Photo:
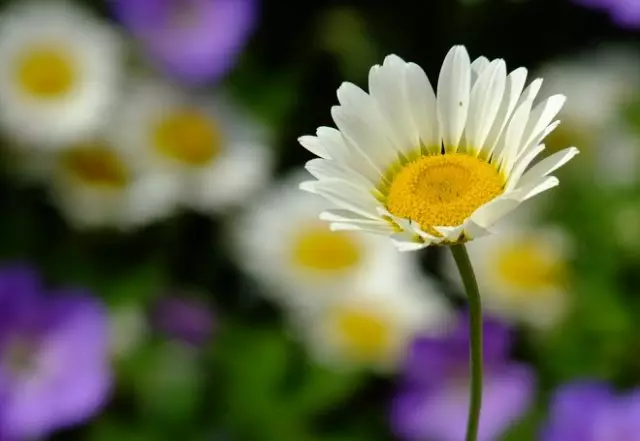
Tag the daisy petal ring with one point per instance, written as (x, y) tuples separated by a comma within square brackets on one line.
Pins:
[(429, 167)]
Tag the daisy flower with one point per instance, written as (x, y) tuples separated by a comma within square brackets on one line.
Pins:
[(214, 152), (94, 186), (59, 74), (523, 274), (280, 241), (372, 323), (434, 170)]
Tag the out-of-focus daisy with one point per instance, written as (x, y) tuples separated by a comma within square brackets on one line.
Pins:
[(94, 186), (371, 323), (523, 274), (54, 356), (599, 86), (59, 74), (282, 243), (427, 170), (592, 411), (193, 40), (433, 399), (215, 153), (625, 13)]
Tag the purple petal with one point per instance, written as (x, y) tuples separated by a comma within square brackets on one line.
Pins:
[(430, 358), (574, 409), (195, 49), (626, 13), (441, 414), (72, 376), (184, 319), (20, 290)]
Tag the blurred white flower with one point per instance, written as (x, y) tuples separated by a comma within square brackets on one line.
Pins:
[(599, 86), (60, 70), (94, 186), (371, 323), (216, 154), (522, 274), (281, 242)]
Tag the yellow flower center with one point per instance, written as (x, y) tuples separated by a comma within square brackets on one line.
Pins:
[(95, 164), (46, 72), (442, 190), (365, 335), (188, 136), (319, 249), (527, 266)]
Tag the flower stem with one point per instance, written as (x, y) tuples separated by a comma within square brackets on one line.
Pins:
[(475, 337)]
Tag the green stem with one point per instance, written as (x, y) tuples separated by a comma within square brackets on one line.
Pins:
[(475, 337)]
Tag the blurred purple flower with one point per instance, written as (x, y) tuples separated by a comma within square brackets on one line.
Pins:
[(626, 13), (54, 356), (187, 320), (434, 397), (196, 41), (590, 411)]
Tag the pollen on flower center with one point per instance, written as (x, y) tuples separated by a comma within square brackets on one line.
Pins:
[(526, 266), (45, 72), (442, 190), (364, 334), (317, 248), (188, 136), (94, 164)]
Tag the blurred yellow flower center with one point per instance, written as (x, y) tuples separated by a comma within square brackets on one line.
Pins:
[(188, 136), (95, 164), (46, 72), (365, 334), (526, 265), (318, 248), (442, 190)]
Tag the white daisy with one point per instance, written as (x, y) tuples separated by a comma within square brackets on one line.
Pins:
[(94, 187), (216, 153), (371, 323), (280, 241), (59, 72), (523, 274), (434, 171)]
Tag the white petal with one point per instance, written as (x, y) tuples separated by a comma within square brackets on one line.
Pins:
[(536, 140), (383, 230), (454, 88), (548, 165), (424, 112), (388, 88), (347, 216), (513, 137), (530, 92), (345, 195), (492, 211), (521, 166), (364, 138), (534, 188), (325, 169), (485, 101), (403, 245), (313, 144), (478, 65), (542, 115), (513, 89), (475, 231), (449, 234)]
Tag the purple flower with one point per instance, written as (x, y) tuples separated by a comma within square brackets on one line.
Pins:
[(625, 13), (196, 41), (434, 397), (54, 356), (187, 320), (590, 411)]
